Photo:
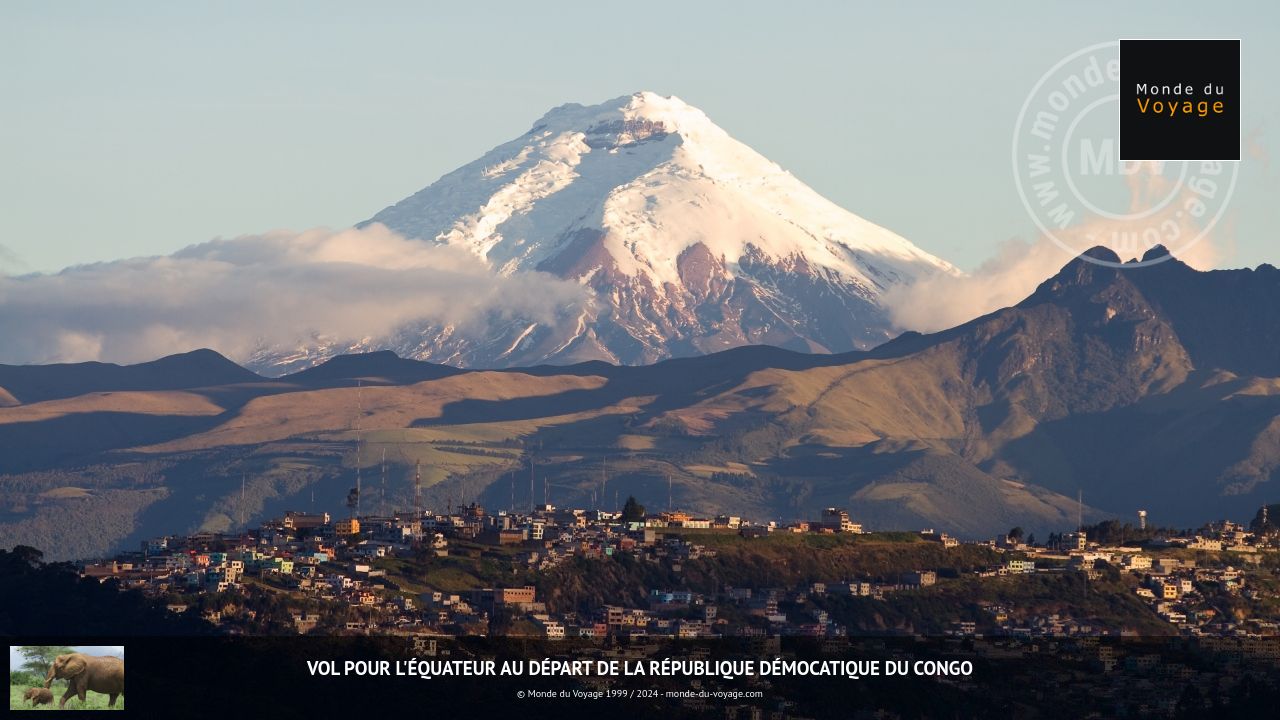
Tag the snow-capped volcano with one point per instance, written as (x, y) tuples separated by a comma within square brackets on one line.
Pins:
[(687, 240)]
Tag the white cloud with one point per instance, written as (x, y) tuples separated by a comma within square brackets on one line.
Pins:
[(275, 289), (944, 301)]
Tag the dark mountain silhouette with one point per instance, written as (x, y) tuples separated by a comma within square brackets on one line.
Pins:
[(195, 369), (381, 367)]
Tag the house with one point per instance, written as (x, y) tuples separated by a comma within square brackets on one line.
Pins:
[(304, 623), (1136, 562), (691, 629), (674, 518), (424, 645), (494, 597), (1019, 566), (371, 549), (553, 629), (1201, 543), (919, 578), (592, 631), (837, 520), (304, 521), (1073, 541), (732, 522), (940, 537)]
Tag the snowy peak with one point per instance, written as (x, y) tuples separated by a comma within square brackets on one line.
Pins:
[(686, 240), (629, 119), (657, 176)]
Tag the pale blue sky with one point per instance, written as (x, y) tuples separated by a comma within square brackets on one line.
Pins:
[(134, 128), (16, 660)]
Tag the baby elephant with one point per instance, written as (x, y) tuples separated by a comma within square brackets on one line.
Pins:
[(38, 696)]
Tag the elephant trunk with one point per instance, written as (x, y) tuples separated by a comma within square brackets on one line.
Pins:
[(48, 681)]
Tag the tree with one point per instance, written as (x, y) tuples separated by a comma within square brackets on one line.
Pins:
[(1031, 539), (25, 678), (632, 511), (38, 658), (27, 554)]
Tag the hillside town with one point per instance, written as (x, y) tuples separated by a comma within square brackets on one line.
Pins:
[(361, 574)]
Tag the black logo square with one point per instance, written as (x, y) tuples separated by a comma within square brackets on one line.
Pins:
[(1179, 99)]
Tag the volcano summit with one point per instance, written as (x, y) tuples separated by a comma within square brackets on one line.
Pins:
[(686, 242)]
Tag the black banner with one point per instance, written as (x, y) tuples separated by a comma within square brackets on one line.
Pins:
[(297, 677)]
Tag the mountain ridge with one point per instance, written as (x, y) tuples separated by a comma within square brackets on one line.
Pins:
[(686, 241), (197, 368), (1104, 382)]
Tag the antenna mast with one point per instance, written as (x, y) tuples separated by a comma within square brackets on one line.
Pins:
[(359, 412), (242, 498), (382, 500), (417, 486)]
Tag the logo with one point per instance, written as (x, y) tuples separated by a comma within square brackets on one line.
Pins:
[(1180, 99), (1080, 194)]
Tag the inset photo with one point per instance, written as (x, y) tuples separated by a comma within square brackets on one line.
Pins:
[(66, 677)]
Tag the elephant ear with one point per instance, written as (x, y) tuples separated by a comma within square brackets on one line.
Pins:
[(75, 665)]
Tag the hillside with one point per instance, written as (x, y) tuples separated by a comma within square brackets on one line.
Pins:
[(200, 368), (1105, 382)]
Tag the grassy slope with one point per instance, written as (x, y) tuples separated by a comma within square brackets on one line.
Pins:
[(779, 561), (92, 700), (171, 402), (902, 442), (276, 417)]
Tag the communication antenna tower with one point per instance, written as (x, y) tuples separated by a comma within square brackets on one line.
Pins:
[(417, 489)]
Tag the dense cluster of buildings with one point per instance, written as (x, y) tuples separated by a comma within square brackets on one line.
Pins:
[(343, 562), (1164, 573)]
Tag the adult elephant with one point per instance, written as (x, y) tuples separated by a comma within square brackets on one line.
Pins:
[(88, 672)]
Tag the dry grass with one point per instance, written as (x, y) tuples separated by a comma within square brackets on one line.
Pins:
[(847, 405), (66, 493), (137, 403), (277, 417)]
